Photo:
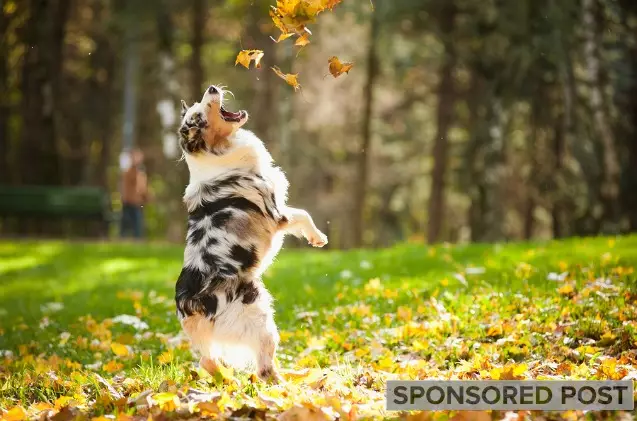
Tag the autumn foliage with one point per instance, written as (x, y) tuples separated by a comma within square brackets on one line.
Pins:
[(291, 18)]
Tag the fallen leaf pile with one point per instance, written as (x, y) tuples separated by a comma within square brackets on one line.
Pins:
[(582, 324)]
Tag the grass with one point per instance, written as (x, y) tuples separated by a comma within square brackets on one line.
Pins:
[(349, 321)]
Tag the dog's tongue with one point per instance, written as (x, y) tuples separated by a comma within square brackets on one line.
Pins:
[(228, 115)]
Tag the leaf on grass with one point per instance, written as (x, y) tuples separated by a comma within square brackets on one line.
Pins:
[(112, 366), (472, 416), (291, 79), (337, 68), (165, 401), (302, 41), (246, 56), (566, 289), (304, 413), (15, 414), (119, 349), (165, 357)]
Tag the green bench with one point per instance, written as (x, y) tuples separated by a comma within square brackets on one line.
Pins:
[(56, 202)]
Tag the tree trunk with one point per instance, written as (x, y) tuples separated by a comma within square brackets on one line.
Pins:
[(265, 81), (44, 39), (364, 152), (444, 120), (564, 139), (5, 105), (609, 191), (198, 15)]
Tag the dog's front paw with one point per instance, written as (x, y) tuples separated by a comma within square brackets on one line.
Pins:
[(317, 239)]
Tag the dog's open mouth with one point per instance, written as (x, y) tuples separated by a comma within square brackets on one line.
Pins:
[(230, 116)]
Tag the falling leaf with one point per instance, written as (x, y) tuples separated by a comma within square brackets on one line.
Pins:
[(291, 79), (246, 56), (337, 68), (15, 414), (283, 37), (302, 40), (119, 349)]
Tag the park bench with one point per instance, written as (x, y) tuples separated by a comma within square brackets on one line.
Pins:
[(29, 203)]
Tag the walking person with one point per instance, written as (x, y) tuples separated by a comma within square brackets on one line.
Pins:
[(134, 194)]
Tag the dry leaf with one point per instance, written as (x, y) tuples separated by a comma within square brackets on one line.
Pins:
[(15, 414), (282, 37), (119, 349), (337, 68), (302, 41), (246, 56), (472, 416), (291, 79), (165, 401), (303, 413), (165, 357)]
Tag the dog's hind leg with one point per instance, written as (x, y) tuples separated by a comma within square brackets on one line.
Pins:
[(199, 331)]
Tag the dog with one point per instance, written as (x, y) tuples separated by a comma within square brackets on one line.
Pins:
[(237, 220)]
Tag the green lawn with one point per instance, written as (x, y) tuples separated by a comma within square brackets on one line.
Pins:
[(349, 321)]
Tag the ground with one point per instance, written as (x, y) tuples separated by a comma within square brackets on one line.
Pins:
[(89, 330)]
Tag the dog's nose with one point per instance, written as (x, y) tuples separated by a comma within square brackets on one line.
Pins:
[(212, 90)]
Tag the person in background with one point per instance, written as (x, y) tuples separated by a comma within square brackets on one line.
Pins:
[(135, 195)]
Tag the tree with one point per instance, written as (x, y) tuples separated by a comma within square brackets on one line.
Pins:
[(444, 120), (362, 171)]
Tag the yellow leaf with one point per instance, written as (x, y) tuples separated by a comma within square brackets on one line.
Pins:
[(15, 414), (291, 79), (112, 366), (283, 37), (119, 349), (165, 357), (302, 40), (495, 330), (566, 289), (166, 401), (472, 416), (306, 413), (337, 68), (404, 313), (62, 401), (419, 346), (246, 56), (100, 418), (226, 372), (42, 406)]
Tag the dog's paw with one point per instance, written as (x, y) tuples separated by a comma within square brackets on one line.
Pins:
[(317, 239), (270, 376)]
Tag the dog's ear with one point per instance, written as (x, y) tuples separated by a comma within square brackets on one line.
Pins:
[(184, 108)]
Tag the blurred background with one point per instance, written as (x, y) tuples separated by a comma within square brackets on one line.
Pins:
[(462, 120)]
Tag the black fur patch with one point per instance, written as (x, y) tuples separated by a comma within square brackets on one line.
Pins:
[(248, 291), (209, 305), (220, 219), (195, 236), (246, 257), (210, 208), (188, 285)]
